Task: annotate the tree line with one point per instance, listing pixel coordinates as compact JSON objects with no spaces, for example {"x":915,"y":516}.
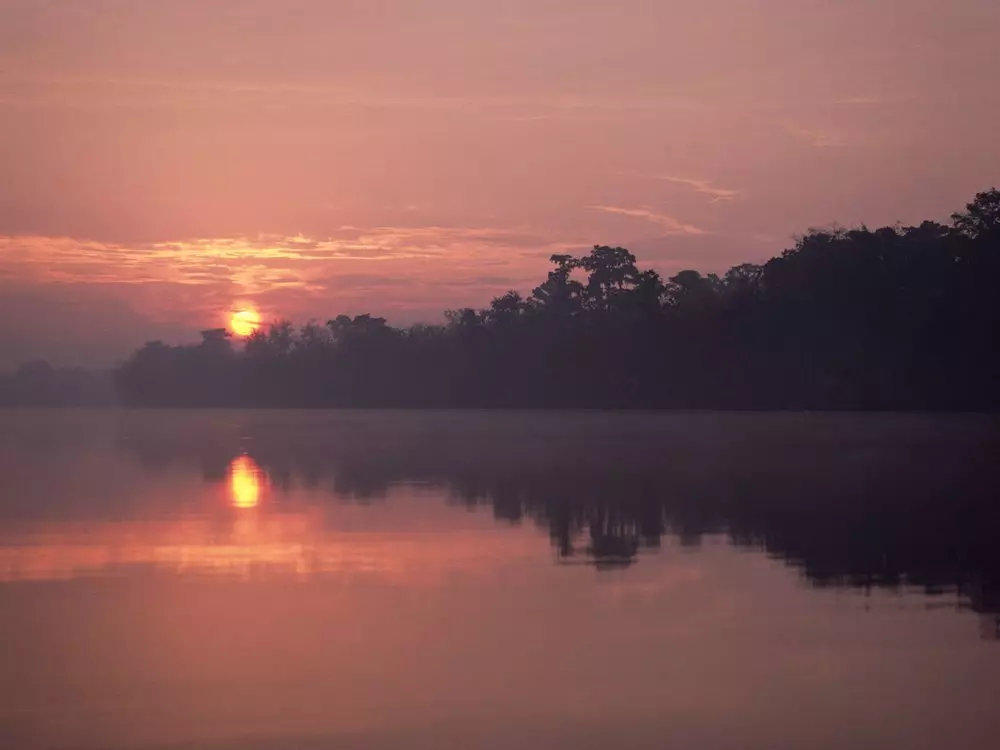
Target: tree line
{"x":891,"y":318}
{"x":38,"y":383}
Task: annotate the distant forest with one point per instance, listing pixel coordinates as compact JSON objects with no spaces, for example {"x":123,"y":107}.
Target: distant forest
{"x":897,"y":318}
{"x":40,"y":384}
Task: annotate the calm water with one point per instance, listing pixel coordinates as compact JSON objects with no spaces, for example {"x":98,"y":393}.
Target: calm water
{"x":284,"y":580}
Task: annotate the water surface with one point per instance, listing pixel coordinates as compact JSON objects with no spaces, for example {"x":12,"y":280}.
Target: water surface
{"x":224,"y":580}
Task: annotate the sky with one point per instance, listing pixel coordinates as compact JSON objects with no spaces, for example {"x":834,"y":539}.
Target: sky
{"x":165,"y":163}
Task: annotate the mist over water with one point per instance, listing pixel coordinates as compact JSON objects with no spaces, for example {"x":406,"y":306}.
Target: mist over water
{"x":263,"y":579}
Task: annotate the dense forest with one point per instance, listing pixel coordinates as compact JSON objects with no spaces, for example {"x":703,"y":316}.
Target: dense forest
{"x":890,"y":318}
{"x":40,"y":384}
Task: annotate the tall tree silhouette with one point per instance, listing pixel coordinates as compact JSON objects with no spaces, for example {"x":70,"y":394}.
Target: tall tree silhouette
{"x":890,"y":318}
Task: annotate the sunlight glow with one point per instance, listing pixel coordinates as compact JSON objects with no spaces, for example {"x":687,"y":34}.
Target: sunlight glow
{"x":282,"y":544}
{"x":245,"y":481}
{"x":244,"y":322}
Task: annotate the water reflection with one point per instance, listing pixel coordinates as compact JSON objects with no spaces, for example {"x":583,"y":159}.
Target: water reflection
{"x":273,"y":580}
{"x":266,"y":545}
{"x":850,"y":501}
{"x":246,"y":481}
{"x":859,"y":502}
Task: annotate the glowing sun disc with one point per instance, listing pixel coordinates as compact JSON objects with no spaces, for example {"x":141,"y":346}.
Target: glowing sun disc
{"x":244,"y":322}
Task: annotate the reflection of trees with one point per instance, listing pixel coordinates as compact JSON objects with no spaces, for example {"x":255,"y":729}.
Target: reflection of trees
{"x":859,"y":502}
{"x":863,"y":535}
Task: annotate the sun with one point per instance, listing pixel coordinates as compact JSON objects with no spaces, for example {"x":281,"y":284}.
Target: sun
{"x":244,"y":322}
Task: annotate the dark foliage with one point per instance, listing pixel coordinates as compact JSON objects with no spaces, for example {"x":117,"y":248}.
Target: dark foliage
{"x":41,"y":384}
{"x":892,"y":318}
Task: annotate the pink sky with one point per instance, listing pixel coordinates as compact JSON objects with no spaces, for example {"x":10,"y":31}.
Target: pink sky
{"x":166,"y":161}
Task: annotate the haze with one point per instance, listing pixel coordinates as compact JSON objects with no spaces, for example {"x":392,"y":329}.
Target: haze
{"x":166,"y":163}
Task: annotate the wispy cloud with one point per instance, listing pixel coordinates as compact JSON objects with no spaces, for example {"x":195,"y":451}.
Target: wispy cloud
{"x":859,"y":100}
{"x":81,"y":91}
{"x":703,"y":186}
{"x":818,"y":137}
{"x":528,"y":118}
{"x":195,"y":281}
{"x":669,"y":224}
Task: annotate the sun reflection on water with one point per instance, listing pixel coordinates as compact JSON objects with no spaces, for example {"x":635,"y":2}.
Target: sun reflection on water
{"x":250,"y":539}
{"x":245,"y":482}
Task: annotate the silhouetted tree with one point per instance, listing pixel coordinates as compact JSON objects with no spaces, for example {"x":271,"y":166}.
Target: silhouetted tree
{"x":38,"y":383}
{"x":560,"y":295}
{"x":890,"y":318}
{"x":981,"y":218}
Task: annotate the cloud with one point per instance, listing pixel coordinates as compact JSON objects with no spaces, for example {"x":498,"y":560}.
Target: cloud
{"x":204,"y":260}
{"x":528,"y":118}
{"x":669,"y":224}
{"x":859,"y":100}
{"x":818,"y":137}
{"x":703,"y":186}
{"x":122,"y":92}
{"x":28,"y":89}
{"x":410,"y":273}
